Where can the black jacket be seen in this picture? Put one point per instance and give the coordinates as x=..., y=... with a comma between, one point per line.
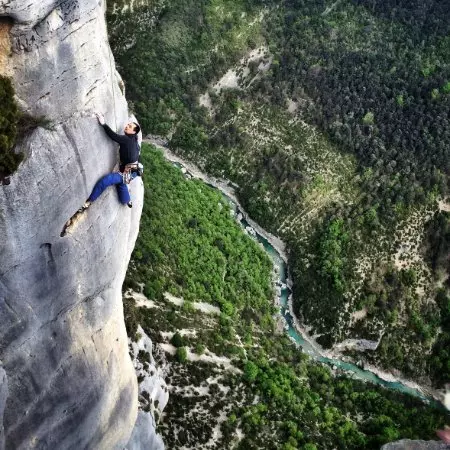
x=129, y=148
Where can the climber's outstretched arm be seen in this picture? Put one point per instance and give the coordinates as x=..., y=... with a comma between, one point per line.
x=121, y=139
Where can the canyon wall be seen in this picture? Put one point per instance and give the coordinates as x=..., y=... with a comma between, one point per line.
x=67, y=380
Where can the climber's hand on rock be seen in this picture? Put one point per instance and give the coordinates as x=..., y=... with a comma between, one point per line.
x=100, y=118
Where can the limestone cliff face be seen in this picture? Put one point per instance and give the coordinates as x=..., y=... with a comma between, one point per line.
x=68, y=379
x=3, y=395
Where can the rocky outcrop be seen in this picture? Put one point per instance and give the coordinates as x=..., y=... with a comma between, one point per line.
x=63, y=345
x=152, y=385
x=144, y=436
x=153, y=394
x=407, y=444
x=359, y=345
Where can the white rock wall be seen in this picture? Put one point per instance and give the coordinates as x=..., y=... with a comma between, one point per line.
x=407, y=444
x=63, y=345
x=3, y=396
x=152, y=386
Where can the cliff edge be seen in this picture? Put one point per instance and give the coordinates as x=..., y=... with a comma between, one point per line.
x=68, y=379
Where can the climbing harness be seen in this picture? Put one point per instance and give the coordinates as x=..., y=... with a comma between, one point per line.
x=132, y=171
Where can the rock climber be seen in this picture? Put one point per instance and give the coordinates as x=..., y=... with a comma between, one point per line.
x=128, y=153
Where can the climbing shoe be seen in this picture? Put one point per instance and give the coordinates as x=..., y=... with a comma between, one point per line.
x=130, y=205
x=85, y=206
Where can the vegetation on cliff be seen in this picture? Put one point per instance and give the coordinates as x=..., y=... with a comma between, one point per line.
x=14, y=125
x=9, y=117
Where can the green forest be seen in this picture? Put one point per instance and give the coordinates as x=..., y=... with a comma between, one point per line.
x=337, y=135
x=191, y=247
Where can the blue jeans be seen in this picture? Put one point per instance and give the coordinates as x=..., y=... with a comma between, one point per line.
x=109, y=180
